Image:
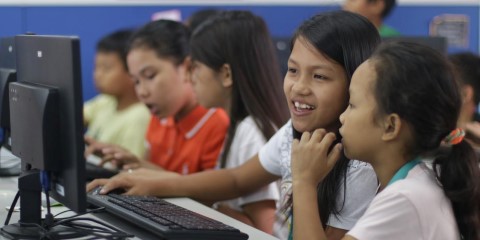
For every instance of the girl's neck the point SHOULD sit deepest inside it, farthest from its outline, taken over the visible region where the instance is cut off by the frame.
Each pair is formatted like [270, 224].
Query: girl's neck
[125, 101]
[334, 129]
[378, 22]
[386, 169]
[228, 107]
[188, 107]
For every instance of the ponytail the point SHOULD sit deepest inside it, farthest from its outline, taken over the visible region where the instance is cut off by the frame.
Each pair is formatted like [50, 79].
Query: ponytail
[459, 175]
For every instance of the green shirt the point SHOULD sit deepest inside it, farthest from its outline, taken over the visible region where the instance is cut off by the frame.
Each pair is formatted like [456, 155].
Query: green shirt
[386, 31]
[125, 128]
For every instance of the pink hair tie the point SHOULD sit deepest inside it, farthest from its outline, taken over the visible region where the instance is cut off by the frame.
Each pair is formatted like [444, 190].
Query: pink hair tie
[455, 137]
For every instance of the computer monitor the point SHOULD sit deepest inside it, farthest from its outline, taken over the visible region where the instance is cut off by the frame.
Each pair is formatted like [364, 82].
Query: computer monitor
[438, 43]
[47, 127]
[7, 75]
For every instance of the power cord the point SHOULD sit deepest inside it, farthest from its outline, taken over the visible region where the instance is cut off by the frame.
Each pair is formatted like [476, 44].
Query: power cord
[100, 209]
[10, 211]
[104, 231]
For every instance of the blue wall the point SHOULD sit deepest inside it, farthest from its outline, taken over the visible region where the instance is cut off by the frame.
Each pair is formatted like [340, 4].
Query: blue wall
[91, 23]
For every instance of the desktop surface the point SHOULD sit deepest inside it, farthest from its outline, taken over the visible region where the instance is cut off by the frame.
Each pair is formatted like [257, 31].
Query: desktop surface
[8, 188]
[9, 163]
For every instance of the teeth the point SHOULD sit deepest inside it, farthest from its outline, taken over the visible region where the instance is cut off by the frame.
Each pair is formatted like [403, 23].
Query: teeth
[303, 106]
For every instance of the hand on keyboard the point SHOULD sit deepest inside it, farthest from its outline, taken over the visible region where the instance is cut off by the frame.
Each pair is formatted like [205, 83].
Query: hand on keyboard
[136, 182]
[112, 154]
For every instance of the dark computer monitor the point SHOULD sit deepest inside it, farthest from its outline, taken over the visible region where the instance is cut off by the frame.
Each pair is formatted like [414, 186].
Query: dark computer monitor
[47, 127]
[8, 70]
[438, 43]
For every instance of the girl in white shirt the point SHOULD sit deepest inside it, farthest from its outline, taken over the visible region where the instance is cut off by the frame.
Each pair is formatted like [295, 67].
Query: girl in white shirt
[227, 53]
[404, 106]
[325, 51]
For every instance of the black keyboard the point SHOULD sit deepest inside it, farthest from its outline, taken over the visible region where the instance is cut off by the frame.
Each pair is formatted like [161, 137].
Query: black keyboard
[164, 219]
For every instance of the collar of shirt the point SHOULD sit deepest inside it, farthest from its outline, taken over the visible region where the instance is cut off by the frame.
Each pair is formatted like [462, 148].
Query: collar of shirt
[192, 123]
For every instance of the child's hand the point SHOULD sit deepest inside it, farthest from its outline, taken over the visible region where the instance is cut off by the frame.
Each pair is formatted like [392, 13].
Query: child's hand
[136, 182]
[93, 147]
[119, 157]
[311, 161]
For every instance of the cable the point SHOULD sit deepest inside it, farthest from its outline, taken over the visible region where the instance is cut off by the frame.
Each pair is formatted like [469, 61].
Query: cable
[44, 230]
[77, 215]
[45, 181]
[74, 224]
[99, 231]
[10, 211]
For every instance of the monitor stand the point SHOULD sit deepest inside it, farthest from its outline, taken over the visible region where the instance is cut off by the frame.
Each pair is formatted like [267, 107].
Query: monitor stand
[30, 208]
[30, 225]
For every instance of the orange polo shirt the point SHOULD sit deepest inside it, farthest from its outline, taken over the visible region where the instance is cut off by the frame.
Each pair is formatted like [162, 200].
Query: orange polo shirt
[189, 145]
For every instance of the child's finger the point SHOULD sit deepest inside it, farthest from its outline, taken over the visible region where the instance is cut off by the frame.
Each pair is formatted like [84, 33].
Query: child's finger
[305, 137]
[327, 140]
[91, 149]
[95, 183]
[318, 135]
[89, 140]
[106, 158]
[118, 181]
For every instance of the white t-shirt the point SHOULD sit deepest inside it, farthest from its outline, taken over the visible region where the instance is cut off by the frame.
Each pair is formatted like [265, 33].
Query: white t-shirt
[275, 157]
[246, 143]
[411, 208]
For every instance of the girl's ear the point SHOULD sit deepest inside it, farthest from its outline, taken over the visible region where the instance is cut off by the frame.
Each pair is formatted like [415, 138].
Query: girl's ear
[467, 92]
[188, 63]
[185, 68]
[226, 75]
[392, 125]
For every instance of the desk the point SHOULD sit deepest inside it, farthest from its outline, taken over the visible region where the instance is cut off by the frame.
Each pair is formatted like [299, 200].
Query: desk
[8, 189]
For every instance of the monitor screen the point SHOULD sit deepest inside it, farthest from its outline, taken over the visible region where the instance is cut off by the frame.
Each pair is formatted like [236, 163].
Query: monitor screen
[7, 75]
[47, 122]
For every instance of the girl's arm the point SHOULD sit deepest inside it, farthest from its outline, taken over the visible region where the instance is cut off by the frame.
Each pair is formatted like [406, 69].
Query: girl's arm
[207, 186]
[260, 215]
[311, 162]
[307, 219]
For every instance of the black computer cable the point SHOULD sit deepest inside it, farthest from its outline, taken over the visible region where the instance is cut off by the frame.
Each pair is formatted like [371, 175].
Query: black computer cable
[10, 211]
[100, 209]
[104, 230]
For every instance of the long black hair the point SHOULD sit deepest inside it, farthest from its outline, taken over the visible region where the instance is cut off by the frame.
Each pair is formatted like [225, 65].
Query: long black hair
[417, 83]
[241, 39]
[348, 39]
